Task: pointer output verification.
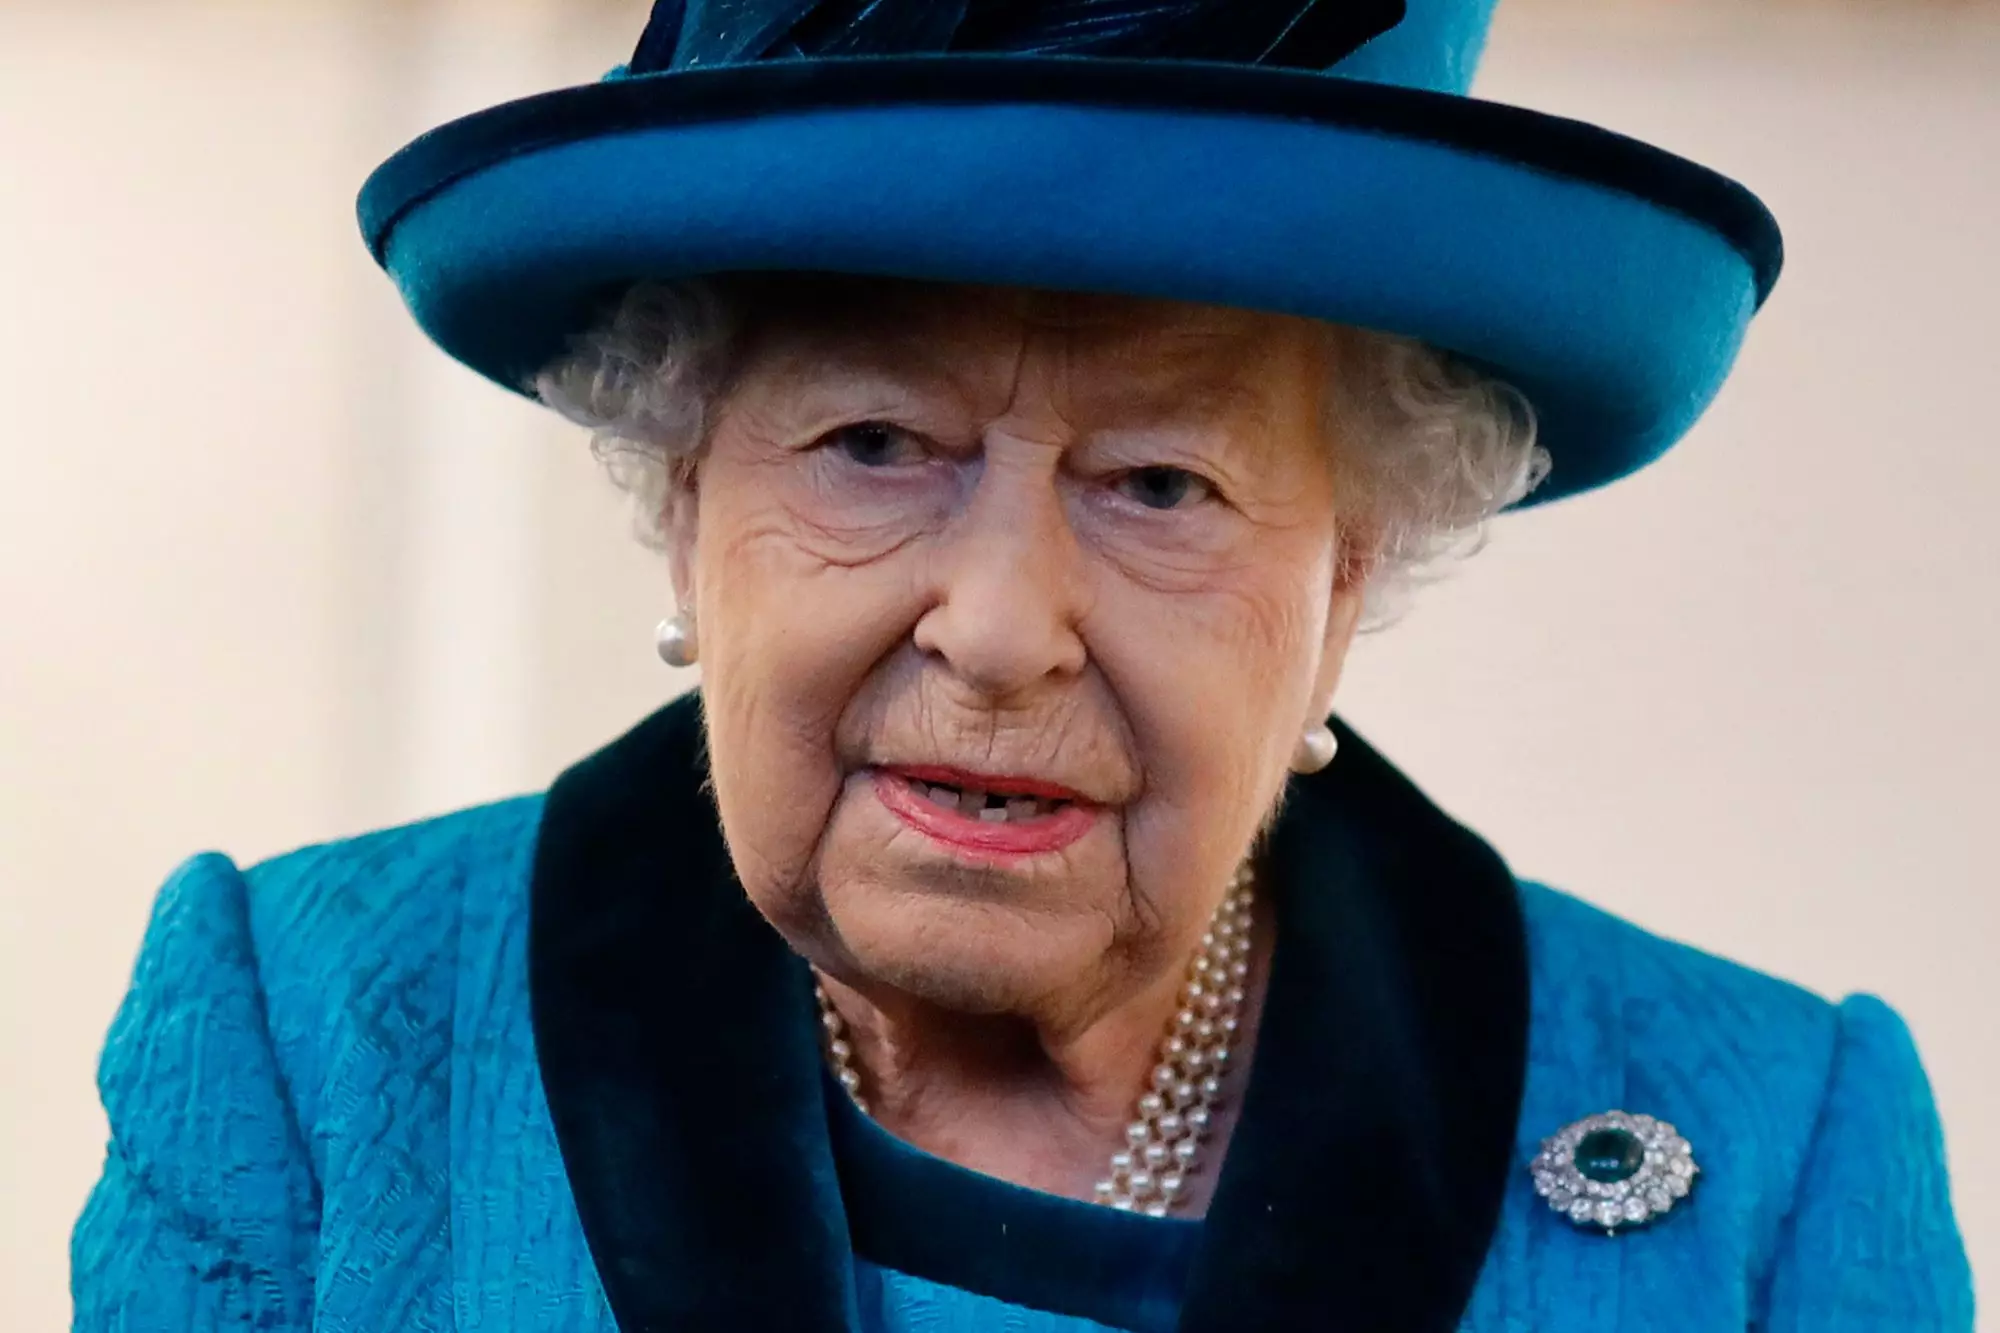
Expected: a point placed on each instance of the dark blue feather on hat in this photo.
(1301, 34)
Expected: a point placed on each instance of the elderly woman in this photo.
(1030, 401)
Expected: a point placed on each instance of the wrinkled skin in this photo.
(1089, 540)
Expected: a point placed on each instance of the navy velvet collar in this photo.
(679, 1053)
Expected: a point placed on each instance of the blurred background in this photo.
(272, 570)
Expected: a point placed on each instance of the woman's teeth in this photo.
(987, 807)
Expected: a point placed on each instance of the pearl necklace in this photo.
(1163, 1143)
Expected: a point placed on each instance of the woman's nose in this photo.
(1009, 584)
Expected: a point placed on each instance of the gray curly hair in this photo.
(1427, 449)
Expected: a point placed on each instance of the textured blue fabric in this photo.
(893, 1302)
(326, 1114)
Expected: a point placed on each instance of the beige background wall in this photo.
(271, 570)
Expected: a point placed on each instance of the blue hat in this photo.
(1311, 157)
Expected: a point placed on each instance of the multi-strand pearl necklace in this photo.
(1176, 1112)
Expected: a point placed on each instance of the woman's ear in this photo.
(1354, 564)
(680, 526)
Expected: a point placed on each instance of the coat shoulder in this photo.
(277, 1080)
(1822, 1202)
(1571, 941)
(1663, 1024)
(1739, 1061)
(364, 943)
(349, 884)
(389, 901)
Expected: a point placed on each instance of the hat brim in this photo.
(1609, 281)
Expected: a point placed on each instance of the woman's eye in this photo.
(876, 444)
(1164, 487)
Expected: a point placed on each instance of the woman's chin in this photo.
(971, 955)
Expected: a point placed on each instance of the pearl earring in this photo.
(1317, 746)
(675, 639)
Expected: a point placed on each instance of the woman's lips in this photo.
(1003, 816)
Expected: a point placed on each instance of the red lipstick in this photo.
(1017, 817)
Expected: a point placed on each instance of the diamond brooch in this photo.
(1614, 1171)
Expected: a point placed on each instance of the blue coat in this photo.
(538, 1065)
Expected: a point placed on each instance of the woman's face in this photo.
(1076, 554)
